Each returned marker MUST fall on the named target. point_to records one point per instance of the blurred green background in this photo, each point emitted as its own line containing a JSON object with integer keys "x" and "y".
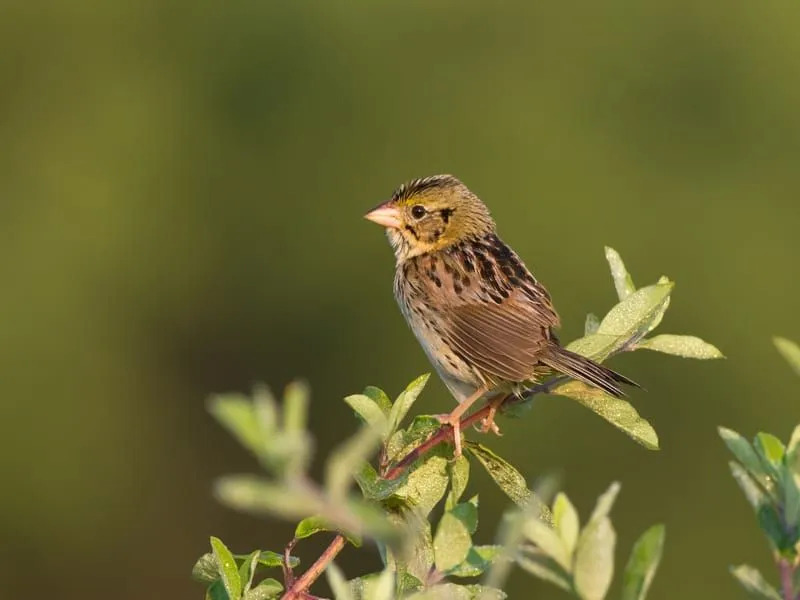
{"x": 181, "y": 192}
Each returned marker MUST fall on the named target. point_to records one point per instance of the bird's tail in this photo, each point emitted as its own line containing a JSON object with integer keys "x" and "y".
{"x": 585, "y": 370}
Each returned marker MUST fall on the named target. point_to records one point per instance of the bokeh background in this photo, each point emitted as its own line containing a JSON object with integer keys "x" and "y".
{"x": 181, "y": 192}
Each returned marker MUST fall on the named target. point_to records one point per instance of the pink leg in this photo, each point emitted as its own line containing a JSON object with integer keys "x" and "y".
{"x": 454, "y": 418}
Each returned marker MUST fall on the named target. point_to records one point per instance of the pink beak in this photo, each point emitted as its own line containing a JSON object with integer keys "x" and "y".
{"x": 386, "y": 215}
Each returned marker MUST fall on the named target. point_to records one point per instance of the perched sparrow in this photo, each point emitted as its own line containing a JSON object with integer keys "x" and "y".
{"x": 483, "y": 320}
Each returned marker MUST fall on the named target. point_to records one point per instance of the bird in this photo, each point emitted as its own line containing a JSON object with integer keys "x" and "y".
{"x": 484, "y": 321}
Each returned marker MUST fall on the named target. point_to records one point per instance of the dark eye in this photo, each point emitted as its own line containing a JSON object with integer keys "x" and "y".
{"x": 418, "y": 211}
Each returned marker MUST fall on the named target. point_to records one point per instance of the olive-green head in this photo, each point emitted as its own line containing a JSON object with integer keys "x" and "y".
{"x": 430, "y": 214}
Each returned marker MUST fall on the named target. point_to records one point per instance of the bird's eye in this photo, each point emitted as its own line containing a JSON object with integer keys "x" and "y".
{"x": 418, "y": 211}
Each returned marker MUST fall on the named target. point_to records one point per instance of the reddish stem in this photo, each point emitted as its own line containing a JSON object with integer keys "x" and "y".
{"x": 787, "y": 579}
{"x": 299, "y": 588}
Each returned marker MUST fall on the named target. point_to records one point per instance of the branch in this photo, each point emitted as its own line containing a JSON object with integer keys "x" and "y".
{"x": 445, "y": 432}
{"x": 299, "y": 588}
{"x": 787, "y": 579}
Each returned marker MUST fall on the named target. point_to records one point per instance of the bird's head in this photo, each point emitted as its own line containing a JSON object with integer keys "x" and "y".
{"x": 430, "y": 214}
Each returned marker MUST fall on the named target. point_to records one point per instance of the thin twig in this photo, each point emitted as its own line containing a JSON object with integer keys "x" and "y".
{"x": 445, "y": 432}
{"x": 787, "y": 579}
{"x": 299, "y": 589}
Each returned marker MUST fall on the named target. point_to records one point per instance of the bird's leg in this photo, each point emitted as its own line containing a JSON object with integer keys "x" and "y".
{"x": 487, "y": 423}
{"x": 454, "y": 418}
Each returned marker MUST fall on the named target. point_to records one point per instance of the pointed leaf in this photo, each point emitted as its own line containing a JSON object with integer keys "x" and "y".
{"x": 594, "y": 559}
{"x": 405, "y": 400}
{"x": 270, "y": 559}
{"x": 267, "y": 589}
{"x": 478, "y": 560}
{"x": 504, "y": 474}
{"x": 235, "y": 413}
{"x": 643, "y": 563}
{"x": 459, "y": 476}
{"x": 339, "y": 585}
{"x": 346, "y": 460}
{"x": 790, "y": 352}
{"x": 366, "y": 408}
{"x": 548, "y": 541}
{"x": 380, "y": 398}
{"x": 565, "y": 521}
{"x": 545, "y": 569}
{"x": 252, "y": 494}
{"x": 427, "y": 482}
{"x": 377, "y": 488}
{"x": 605, "y": 502}
{"x": 752, "y": 491}
{"x": 616, "y": 411}
{"x": 316, "y": 524}
{"x": 742, "y": 450}
{"x": 687, "y": 346}
{"x": 205, "y": 570}
{"x": 770, "y": 450}
{"x": 226, "y": 566}
{"x": 637, "y": 314}
{"x": 248, "y": 569}
{"x": 754, "y": 583}
{"x": 622, "y": 279}
{"x": 451, "y": 542}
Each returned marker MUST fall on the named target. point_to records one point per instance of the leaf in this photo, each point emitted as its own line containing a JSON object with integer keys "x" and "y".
{"x": 616, "y": 411}
{"x": 742, "y": 450}
{"x": 235, "y": 413}
{"x": 405, "y": 400}
{"x": 643, "y": 563}
{"x": 216, "y": 591}
{"x": 605, "y": 502}
{"x": 548, "y": 541}
{"x": 752, "y": 491}
{"x": 687, "y": 346}
{"x": 622, "y": 279}
{"x": 478, "y": 560}
{"x": 452, "y": 591}
{"x": 270, "y": 559}
{"x": 267, "y": 589}
{"x": 226, "y": 567}
{"x": 403, "y": 441}
{"x": 638, "y": 313}
{"x": 427, "y": 482}
{"x": 544, "y": 568}
{"x": 366, "y": 408}
{"x": 252, "y": 494}
{"x": 467, "y": 513}
{"x": 377, "y": 488}
{"x": 565, "y": 521}
{"x": 754, "y": 584}
{"x": 451, "y": 542}
{"x": 346, "y": 460}
{"x": 594, "y": 559}
{"x": 295, "y": 407}
{"x": 380, "y": 398}
{"x": 791, "y": 496}
{"x": 790, "y": 352}
{"x": 205, "y": 570}
{"x": 458, "y": 470}
{"x": 339, "y": 585}
{"x": 248, "y": 569}
{"x": 415, "y": 555}
{"x": 316, "y": 524}
{"x": 592, "y": 323}
{"x": 770, "y": 450}
{"x": 504, "y": 474}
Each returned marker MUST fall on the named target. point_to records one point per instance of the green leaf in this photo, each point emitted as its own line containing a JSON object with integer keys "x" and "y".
{"x": 687, "y": 346}
{"x": 771, "y": 451}
{"x": 346, "y": 460}
{"x": 415, "y": 555}
{"x": 235, "y": 413}
{"x": 452, "y": 591}
{"x": 753, "y": 492}
{"x": 405, "y": 400}
{"x": 594, "y": 559}
{"x": 478, "y": 560}
{"x": 545, "y": 568}
{"x": 643, "y": 563}
{"x": 427, "y": 482}
{"x": 451, "y": 542}
{"x": 226, "y": 567}
{"x": 605, "y": 502}
{"x": 616, "y": 411}
{"x": 467, "y": 513}
{"x": 205, "y": 570}
{"x": 270, "y": 559}
{"x": 295, "y": 407}
{"x": 372, "y": 414}
{"x": 790, "y": 351}
{"x": 565, "y": 521}
{"x": 216, "y": 591}
{"x": 374, "y": 487}
{"x": 754, "y": 584}
{"x": 592, "y": 324}
{"x": 622, "y": 279}
{"x": 252, "y": 494}
{"x": 316, "y": 524}
{"x": 339, "y": 585}
{"x": 638, "y": 313}
{"x": 248, "y": 569}
{"x": 402, "y": 442}
{"x": 380, "y": 398}
{"x": 458, "y": 471}
{"x": 504, "y": 474}
{"x": 268, "y": 589}
{"x": 742, "y": 450}
{"x": 548, "y": 541}
{"x": 791, "y": 496}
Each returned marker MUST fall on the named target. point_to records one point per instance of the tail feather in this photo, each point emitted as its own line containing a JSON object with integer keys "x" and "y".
{"x": 586, "y": 370}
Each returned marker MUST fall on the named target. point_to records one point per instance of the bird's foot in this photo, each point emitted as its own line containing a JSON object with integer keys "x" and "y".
{"x": 454, "y": 421}
{"x": 487, "y": 423}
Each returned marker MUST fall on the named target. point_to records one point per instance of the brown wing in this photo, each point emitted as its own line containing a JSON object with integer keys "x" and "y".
{"x": 502, "y": 321}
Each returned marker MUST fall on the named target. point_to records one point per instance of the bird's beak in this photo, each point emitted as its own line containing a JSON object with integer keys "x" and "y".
{"x": 385, "y": 214}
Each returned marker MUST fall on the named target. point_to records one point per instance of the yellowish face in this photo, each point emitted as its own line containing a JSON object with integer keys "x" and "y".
{"x": 431, "y": 214}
